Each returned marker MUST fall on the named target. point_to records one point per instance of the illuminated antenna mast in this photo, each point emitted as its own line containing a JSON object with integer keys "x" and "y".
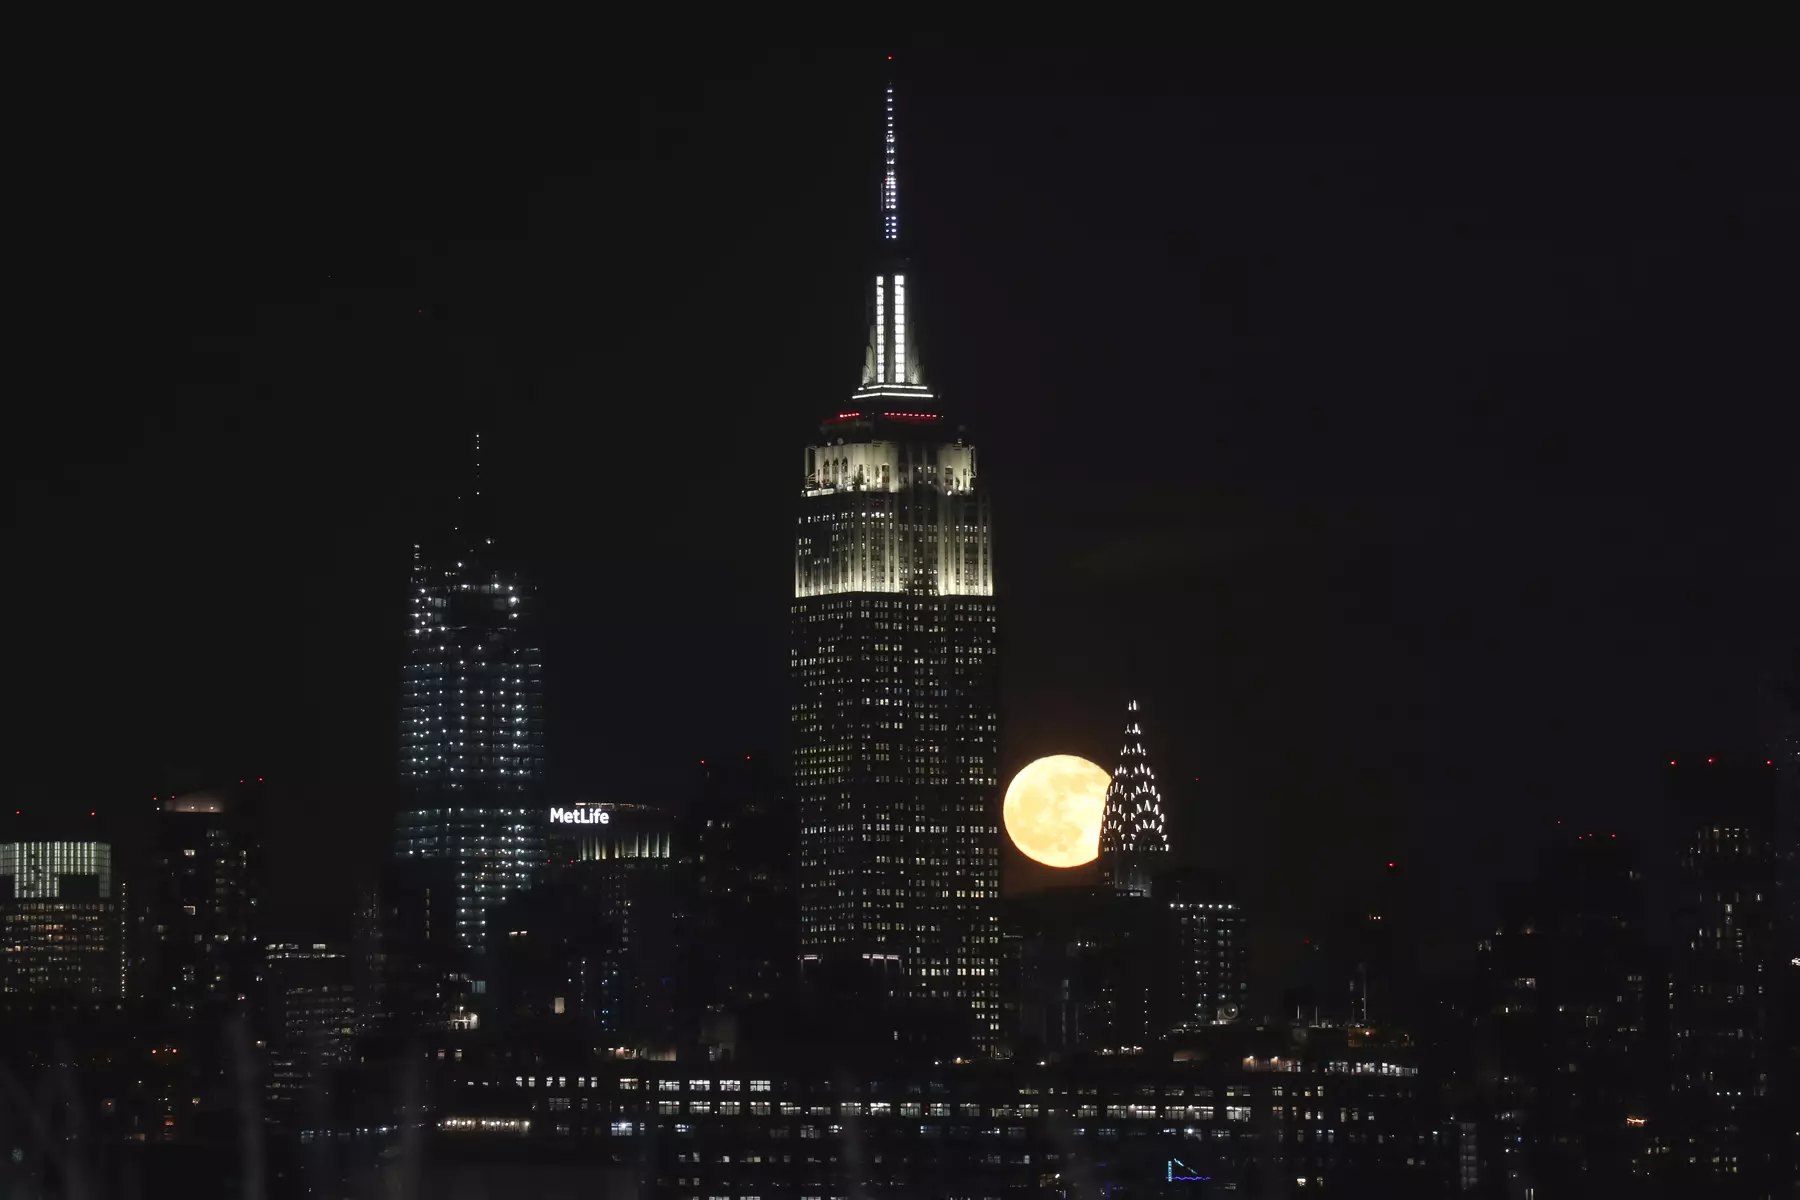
{"x": 892, "y": 357}
{"x": 890, "y": 195}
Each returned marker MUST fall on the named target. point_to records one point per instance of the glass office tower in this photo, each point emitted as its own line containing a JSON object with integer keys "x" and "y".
{"x": 472, "y": 718}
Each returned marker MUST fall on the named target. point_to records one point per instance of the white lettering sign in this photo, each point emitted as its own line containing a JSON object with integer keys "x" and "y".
{"x": 580, "y": 816}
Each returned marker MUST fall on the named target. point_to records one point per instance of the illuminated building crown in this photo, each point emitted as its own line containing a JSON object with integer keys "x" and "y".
{"x": 1133, "y": 839}
{"x": 891, "y": 363}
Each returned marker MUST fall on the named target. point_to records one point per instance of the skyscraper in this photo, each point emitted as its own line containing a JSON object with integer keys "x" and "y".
{"x": 472, "y": 717}
{"x": 411, "y": 967}
{"x": 1722, "y": 985}
{"x": 61, "y": 926}
{"x": 895, "y": 715}
{"x": 1565, "y": 1049}
{"x": 1205, "y": 976}
{"x": 743, "y": 849}
{"x": 1090, "y": 966}
{"x": 200, "y": 944}
{"x": 1781, "y": 733}
{"x": 311, "y": 1018}
{"x": 1134, "y": 845}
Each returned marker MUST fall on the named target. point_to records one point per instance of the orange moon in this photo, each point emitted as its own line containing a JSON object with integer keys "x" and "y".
{"x": 1053, "y": 809}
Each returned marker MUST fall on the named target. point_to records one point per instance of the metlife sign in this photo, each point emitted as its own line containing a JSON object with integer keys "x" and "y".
{"x": 580, "y": 816}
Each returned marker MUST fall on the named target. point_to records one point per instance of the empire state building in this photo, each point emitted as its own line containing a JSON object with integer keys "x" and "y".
{"x": 895, "y": 714}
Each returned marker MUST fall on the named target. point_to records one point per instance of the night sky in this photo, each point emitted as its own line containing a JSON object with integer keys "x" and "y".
{"x": 1415, "y": 437}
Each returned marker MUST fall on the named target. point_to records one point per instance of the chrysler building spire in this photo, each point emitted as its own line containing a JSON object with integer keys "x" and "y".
{"x": 1133, "y": 843}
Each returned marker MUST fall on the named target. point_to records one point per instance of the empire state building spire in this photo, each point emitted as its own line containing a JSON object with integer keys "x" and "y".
{"x": 891, "y": 364}
{"x": 890, "y": 186}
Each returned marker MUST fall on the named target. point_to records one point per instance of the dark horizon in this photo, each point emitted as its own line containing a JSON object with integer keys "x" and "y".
{"x": 1415, "y": 439}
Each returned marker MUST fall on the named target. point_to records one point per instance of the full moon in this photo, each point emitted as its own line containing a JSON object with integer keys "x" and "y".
{"x": 1053, "y": 810}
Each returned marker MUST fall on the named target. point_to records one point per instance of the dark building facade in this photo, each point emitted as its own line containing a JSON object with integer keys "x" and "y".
{"x": 471, "y": 717}
{"x": 1725, "y": 1134}
{"x": 1360, "y": 967}
{"x": 411, "y": 966}
{"x": 200, "y": 928}
{"x": 1109, "y": 971}
{"x": 309, "y": 1027}
{"x": 746, "y": 931}
{"x": 1204, "y": 954}
{"x": 1568, "y": 1029}
{"x": 1084, "y": 972}
{"x": 105, "y": 1098}
{"x": 893, "y": 659}
{"x": 1781, "y": 732}
{"x": 149, "y": 1048}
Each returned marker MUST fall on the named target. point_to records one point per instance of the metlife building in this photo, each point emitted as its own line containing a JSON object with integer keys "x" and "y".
{"x": 595, "y": 940}
{"x": 587, "y": 832}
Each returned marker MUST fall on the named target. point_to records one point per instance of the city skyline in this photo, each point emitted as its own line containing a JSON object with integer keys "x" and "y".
{"x": 601, "y": 685}
{"x": 1271, "y": 597}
